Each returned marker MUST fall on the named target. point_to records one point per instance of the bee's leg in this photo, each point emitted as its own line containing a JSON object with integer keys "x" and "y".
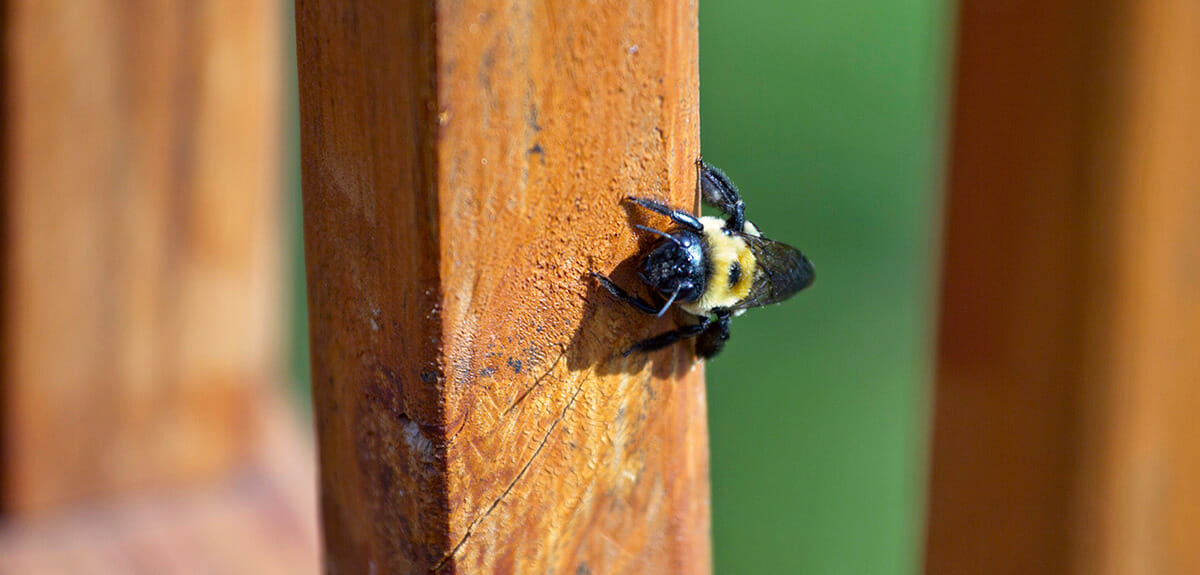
{"x": 712, "y": 341}
{"x": 716, "y": 190}
{"x": 637, "y": 302}
{"x": 667, "y": 338}
{"x": 678, "y": 216}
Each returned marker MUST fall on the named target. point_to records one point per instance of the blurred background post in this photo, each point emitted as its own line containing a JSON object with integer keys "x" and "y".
{"x": 1069, "y": 355}
{"x": 141, "y": 428}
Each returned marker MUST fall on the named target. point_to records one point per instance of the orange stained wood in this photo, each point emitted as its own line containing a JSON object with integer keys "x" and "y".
{"x": 140, "y": 242}
{"x": 1064, "y": 434}
{"x": 463, "y": 170}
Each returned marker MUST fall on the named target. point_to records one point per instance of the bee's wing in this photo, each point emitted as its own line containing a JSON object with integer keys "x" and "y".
{"x": 779, "y": 273}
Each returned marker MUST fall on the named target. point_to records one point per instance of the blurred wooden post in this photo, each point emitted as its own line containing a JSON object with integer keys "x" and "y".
{"x": 1065, "y": 437}
{"x": 463, "y": 164}
{"x": 141, "y": 242}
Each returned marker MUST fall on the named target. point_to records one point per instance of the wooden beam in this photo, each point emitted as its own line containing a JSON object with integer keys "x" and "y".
{"x": 1064, "y": 439}
{"x": 141, "y": 242}
{"x": 463, "y": 170}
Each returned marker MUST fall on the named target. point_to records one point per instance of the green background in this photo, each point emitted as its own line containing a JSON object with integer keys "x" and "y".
{"x": 828, "y": 115}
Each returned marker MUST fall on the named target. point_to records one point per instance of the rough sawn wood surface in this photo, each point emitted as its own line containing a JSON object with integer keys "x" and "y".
{"x": 464, "y": 165}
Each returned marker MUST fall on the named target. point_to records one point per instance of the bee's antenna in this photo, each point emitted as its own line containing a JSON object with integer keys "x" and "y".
{"x": 658, "y": 233}
{"x": 669, "y": 302}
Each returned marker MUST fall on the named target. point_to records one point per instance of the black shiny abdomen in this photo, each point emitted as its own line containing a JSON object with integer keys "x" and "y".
{"x": 676, "y": 264}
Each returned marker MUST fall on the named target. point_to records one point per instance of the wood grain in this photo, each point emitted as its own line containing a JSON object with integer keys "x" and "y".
{"x": 1070, "y": 322}
{"x": 141, "y": 239}
{"x": 464, "y": 164}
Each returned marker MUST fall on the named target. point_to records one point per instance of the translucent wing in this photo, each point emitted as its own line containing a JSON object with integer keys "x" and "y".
{"x": 780, "y": 272}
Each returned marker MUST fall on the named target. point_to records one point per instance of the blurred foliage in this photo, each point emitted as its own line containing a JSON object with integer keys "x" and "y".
{"x": 297, "y": 304}
{"x": 828, "y": 116}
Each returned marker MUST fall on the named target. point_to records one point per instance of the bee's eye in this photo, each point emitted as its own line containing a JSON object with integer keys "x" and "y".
{"x": 735, "y": 273}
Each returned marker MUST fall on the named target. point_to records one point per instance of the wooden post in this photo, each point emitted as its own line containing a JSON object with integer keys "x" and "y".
{"x": 463, "y": 170}
{"x": 1065, "y": 437}
{"x": 141, "y": 242}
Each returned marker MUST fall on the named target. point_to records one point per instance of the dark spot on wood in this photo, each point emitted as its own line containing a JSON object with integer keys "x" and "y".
{"x": 386, "y": 478}
{"x": 385, "y": 387}
{"x": 429, "y": 376}
{"x": 533, "y": 118}
{"x": 515, "y": 364}
{"x": 487, "y": 371}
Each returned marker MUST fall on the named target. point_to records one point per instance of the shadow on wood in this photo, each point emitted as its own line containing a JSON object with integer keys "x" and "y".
{"x": 608, "y": 327}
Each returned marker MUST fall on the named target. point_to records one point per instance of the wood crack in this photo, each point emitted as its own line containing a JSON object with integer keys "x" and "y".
{"x": 513, "y": 483}
{"x": 537, "y": 383}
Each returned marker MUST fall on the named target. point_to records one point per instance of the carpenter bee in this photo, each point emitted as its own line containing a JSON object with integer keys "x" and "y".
{"x": 711, "y": 268}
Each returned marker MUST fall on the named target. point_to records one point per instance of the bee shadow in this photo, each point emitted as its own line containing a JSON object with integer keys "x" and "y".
{"x": 609, "y": 327}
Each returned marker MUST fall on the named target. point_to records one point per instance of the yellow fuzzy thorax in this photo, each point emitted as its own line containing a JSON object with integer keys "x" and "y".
{"x": 723, "y": 251}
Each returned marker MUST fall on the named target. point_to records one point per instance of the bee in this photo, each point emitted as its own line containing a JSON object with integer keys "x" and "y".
{"x": 712, "y": 269}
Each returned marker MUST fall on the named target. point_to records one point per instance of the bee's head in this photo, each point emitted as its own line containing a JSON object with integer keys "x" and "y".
{"x": 675, "y": 266}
